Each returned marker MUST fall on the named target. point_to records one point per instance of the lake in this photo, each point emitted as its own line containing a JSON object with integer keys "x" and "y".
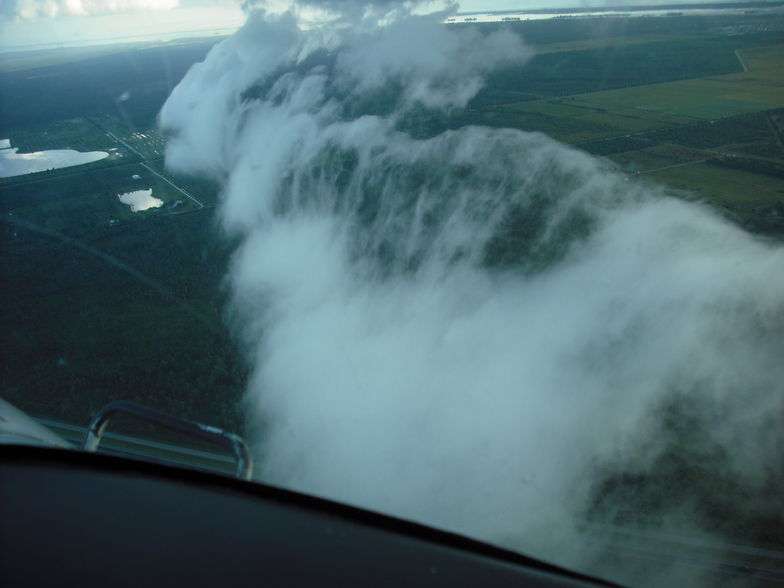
{"x": 140, "y": 200}
{"x": 18, "y": 164}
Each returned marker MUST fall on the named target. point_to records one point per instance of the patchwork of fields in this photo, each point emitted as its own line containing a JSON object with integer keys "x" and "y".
{"x": 759, "y": 88}
{"x": 717, "y": 137}
{"x": 739, "y": 189}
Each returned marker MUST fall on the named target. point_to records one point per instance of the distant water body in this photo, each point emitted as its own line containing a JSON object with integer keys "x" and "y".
{"x": 489, "y": 15}
{"x": 140, "y": 200}
{"x": 218, "y": 22}
{"x": 17, "y": 164}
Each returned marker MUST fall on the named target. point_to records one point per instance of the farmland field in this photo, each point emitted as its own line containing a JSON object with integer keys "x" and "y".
{"x": 738, "y": 188}
{"x": 760, "y": 88}
{"x": 617, "y": 118}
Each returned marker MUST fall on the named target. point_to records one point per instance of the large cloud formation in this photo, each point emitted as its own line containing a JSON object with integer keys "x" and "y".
{"x": 485, "y": 330}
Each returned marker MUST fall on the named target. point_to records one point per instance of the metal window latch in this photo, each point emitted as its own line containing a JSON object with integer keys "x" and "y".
{"x": 230, "y": 441}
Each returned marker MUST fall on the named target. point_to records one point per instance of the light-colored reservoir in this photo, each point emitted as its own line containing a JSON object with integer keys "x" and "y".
{"x": 18, "y": 164}
{"x": 140, "y": 200}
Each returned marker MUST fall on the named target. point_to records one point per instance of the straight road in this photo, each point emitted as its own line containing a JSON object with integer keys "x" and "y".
{"x": 742, "y": 61}
{"x": 144, "y": 160}
{"x": 167, "y": 180}
{"x": 648, "y": 171}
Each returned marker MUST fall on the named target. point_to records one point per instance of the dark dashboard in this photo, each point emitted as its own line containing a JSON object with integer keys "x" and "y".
{"x": 80, "y": 519}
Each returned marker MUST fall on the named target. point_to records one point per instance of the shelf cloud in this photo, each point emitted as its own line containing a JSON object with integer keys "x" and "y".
{"x": 483, "y": 330}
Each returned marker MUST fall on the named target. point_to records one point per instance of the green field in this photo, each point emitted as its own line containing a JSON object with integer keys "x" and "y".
{"x": 672, "y": 132}
{"x": 653, "y": 158}
{"x": 761, "y": 88}
{"x": 615, "y": 41}
{"x": 708, "y": 108}
{"x": 607, "y": 120}
{"x": 727, "y": 187}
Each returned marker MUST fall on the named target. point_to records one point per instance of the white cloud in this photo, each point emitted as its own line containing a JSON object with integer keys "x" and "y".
{"x": 465, "y": 330}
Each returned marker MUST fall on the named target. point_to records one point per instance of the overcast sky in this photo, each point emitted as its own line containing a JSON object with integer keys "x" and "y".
{"x": 32, "y": 24}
